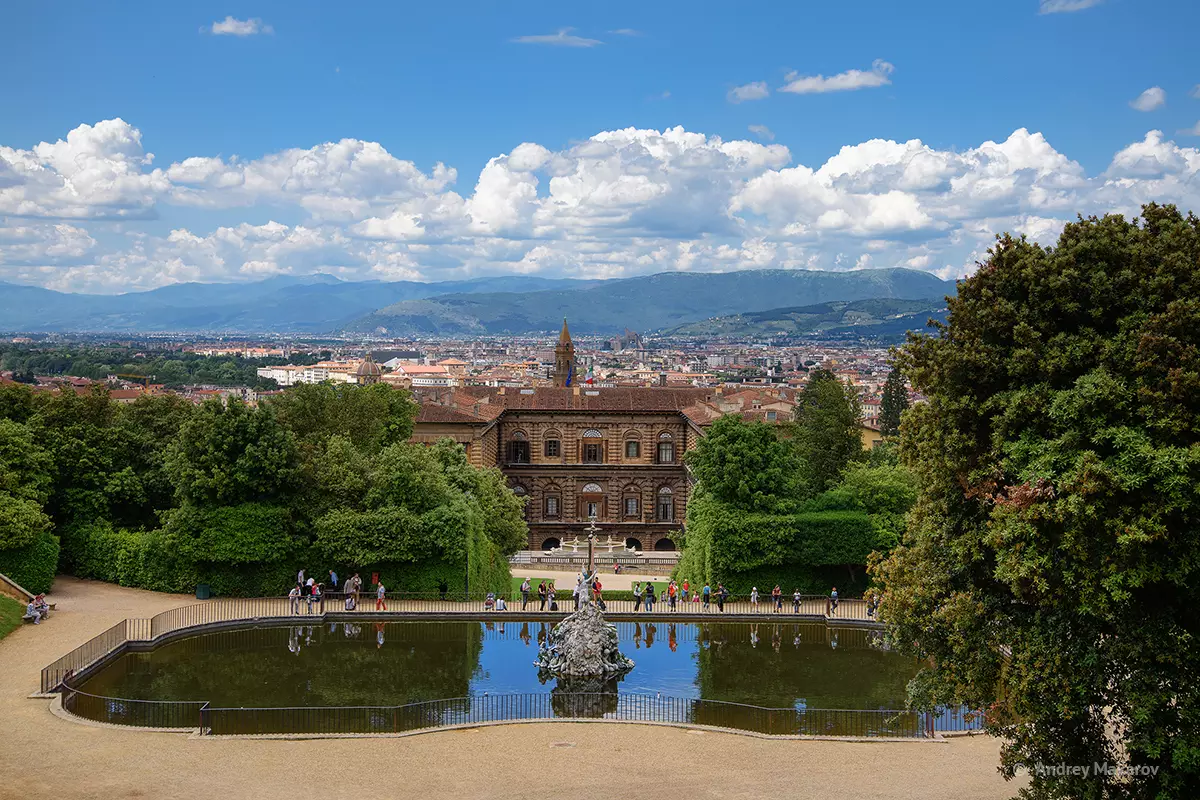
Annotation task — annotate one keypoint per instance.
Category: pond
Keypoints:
(775, 665)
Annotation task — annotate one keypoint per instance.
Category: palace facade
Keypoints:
(577, 452)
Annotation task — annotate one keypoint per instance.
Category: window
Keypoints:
(592, 453)
(771, 416)
(552, 506)
(631, 506)
(552, 448)
(666, 505)
(518, 449)
(666, 452)
(593, 509)
(633, 450)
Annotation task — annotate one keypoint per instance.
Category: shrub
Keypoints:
(34, 565)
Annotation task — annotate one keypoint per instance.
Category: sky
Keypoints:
(144, 144)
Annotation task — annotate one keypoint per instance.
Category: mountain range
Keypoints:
(648, 303)
(323, 304)
(878, 318)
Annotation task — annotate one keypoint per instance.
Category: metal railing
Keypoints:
(136, 713)
(88, 653)
(483, 709)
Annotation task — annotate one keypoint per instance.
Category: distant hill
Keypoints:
(876, 317)
(309, 304)
(650, 303)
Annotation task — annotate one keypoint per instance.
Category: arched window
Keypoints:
(519, 490)
(552, 444)
(666, 449)
(593, 451)
(550, 544)
(664, 545)
(518, 448)
(592, 488)
(666, 505)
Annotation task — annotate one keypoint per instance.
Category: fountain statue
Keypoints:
(583, 648)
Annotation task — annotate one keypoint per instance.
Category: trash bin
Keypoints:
(203, 591)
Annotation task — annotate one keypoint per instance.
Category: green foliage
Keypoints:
(34, 565)
(241, 534)
(744, 464)
(10, 615)
(231, 453)
(16, 402)
(1058, 459)
(371, 417)
(893, 403)
(826, 431)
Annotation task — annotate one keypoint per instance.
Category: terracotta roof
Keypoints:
(608, 399)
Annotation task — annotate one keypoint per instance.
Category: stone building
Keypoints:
(577, 452)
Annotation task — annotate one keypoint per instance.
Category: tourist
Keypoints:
(309, 595)
(294, 597)
(501, 606)
(551, 593)
(598, 593)
(41, 606)
(671, 590)
(380, 594)
(649, 597)
(541, 591)
(524, 593)
(777, 596)
(796, 601)
(319, 597)
(754, 598)
(300, 578)
(707, 592)
(333, 580)
(378, 635)
(833, 600)
(32, 613)
(637, 596)
(685, 590)
(443, 588)
(696, 597)
(577, 593)
(722, 596)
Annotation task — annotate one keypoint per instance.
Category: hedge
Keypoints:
(34, 565)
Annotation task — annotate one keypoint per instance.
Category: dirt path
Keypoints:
(577, 760)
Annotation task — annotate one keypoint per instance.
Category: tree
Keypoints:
(1050, 567)
(372, 417)
(744, 464)
(893, 404)
(231, 453)
(826, 430)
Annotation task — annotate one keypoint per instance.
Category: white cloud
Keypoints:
(1192, 131)
(750, 91)
(762, 132)
(842, 82)
(622, 202)
(239, 27)
(1065, 6)
(560, 38)
(1152, 98)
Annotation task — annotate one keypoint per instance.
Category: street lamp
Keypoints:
(591, 532)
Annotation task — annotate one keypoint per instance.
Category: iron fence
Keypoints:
(882, 723)
(88, 653)
(135, 713)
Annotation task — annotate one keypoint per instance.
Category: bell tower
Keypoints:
(564, 358)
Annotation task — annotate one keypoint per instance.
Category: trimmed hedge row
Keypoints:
(34, 565)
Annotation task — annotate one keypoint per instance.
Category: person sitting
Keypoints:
(501, 605)
(32, 614)
(489, 602)
(39, 603)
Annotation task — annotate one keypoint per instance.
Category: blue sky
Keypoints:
(458, 84)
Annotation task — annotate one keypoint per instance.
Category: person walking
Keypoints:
(672, 589)
(754, 599)
(318, 597)
(685, 590)
(722, 596)
(777, 596)
(541, 591)
(796, 601)
(333, 580)
(300, 578)
(380, 595)
(706, 593)
(833, 600)
(294, 598)
(637, 596)
(524, 593)
(650, 597)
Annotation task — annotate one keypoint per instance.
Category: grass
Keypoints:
(10, 615)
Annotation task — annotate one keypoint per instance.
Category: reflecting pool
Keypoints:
(785, 665)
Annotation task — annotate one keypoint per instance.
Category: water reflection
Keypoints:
(365, 664)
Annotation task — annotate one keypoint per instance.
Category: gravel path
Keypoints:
(576, 760)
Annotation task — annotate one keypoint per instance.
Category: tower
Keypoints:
(564, 358)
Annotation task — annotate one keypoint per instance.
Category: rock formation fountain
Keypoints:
(583, 646)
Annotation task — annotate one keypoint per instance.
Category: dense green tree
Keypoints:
(745, 464)
(230, 453)
(1050, 569)
(893, 403)
(16, 402)
(826, 431)
(371, 417)
(501, 511)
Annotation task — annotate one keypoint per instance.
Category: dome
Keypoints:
(368, 369)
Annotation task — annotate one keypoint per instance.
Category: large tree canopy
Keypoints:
(826, 431)
(1059, 465)
(745, 464)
